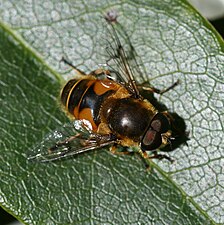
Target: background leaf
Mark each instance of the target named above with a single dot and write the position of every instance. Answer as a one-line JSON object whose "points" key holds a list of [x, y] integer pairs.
{"points": [[174, 42]]}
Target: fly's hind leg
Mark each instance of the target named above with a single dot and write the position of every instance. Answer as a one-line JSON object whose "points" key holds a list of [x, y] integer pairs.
{"points": [[100, 72], [95, 73], [78, 71], [161, 156]]}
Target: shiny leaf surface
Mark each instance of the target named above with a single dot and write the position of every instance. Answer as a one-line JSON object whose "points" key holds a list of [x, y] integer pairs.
{"points": [[174, 42]]}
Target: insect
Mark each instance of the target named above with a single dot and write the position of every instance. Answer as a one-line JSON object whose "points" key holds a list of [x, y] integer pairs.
{"points": [[107, 109]]}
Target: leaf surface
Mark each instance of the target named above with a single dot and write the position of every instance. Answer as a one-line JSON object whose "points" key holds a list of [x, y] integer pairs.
{"points": [[174, 42]]}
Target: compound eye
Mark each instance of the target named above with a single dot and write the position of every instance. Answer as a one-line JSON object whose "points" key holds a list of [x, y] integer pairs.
{"points": [[151, 140], [160, 123]]}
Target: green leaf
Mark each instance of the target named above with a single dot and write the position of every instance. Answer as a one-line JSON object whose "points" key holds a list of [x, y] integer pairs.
{"points": [[174, 42]]}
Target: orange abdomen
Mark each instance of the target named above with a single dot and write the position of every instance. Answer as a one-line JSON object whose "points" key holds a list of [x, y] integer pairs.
{"points": [[83, 98]]}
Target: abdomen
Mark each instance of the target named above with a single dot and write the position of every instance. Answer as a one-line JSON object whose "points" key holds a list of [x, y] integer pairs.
{"points": [[83, 98]]}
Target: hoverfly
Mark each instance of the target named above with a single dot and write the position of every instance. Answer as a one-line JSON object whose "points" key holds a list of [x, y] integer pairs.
{"points": [[108, 111]]}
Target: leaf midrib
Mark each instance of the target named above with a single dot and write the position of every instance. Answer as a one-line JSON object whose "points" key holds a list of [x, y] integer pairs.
{"points": [[185, 196]]}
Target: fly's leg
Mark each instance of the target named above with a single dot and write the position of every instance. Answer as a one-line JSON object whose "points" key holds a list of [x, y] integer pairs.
{"points": [[63, 143], [100, 72], [142, 156], [78, 71], [114, 150], [100, 138], [161, 156], [95, 73], [147, 157], [158, 91]]}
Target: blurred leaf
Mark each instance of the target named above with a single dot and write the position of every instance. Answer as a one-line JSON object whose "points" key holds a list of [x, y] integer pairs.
{"points": [[174, 42]]}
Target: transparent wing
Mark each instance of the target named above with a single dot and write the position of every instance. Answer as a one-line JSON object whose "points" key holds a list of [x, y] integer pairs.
{"points": [[122, 58], [69, 140]]}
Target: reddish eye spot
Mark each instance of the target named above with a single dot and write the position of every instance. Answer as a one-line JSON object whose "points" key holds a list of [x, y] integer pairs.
{"points": [[151, 141], [160, 123], [156, 125], [149, 137]]}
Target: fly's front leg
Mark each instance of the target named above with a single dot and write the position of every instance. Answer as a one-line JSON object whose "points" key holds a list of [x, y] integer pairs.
{"points": [[158, 91], [147, 157], [160, 157]]}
